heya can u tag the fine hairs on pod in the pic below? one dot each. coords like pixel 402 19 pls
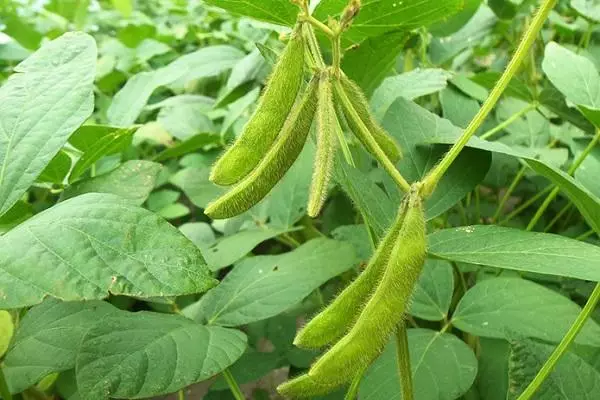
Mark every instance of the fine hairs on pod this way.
pixel 327 127
pixel 381 314
pixel 275 105
pixel 361 106
pixel 276 162
pixel 336 319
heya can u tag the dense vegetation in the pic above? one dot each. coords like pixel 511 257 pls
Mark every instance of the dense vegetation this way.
pixel 229 199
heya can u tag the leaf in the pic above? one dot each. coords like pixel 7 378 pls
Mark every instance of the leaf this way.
pixel 47 340
pixel 56 171
pixel 443 368
pixel 112 143
pixel 86 137
pixel 132 180
pixel 373 59
pixel 410 85
pixel 433 294
pixel 457 21
pixel 125 7
pixel 412 126
pixel 588 172
pixel 378 17
pixel 138 355
pixel 197 187
pixel 496 307
pixel 252 366
pixel 588 8
pixel 92 245
pixel 264 286
pixel 571 379
pixel 188 146
pixel 210 61
pixel 492 378
pixel 576 77
pixel 6 331
pixel 281 12
pixel 518 250
pixel 232 248
pixel 41 105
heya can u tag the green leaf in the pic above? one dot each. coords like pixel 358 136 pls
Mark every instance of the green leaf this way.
pixel 23 32
pixel 492 378
pixel 207 62
pixel 132 180
pixel 92 245
pixel 413 126
pixel 138 355
pixel 588 8
pixel 86 137
pixel 232 248
pixel 433 294
pixel 252 366
pixel 125 7
pixel 6 331
pixel 571 379
pixel 372 61
pixel 518 250
pixel 443 368
pixel 188 146
pixel 495 307
pixel 378 17
pixel 41 105
pixel 197 187
pixel 589 171
pixel 457 21
pixel 112 143
pixel 504 9
pixel 56 171
pixel 47 340
pixel 576 77
pixel 264 286
pixel 281 12
pixel 410 85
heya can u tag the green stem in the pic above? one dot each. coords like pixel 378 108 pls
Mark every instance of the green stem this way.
pixel 403 359
pixel 313 45
pixel 515 117
pixel 509 192
pixel 576 164
pixel 4 392
pixel 563 345
pixel 233 385
pixel 526 205
pixel 352 393
pixel 319 25
pixel 181 395
pixel 558 217
pixel 379 154
pixel 586 235
pixel 529 37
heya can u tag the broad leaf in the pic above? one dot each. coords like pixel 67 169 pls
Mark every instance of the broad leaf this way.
pixel 188 146
pixel 264 286
pixel 138 355
pixel 433 294
pixel 57 169
pixel 588 8
pixel 571 379
pixel 378 17
pixel 93 245
pixel 514 249
pixel 6 331
pixel 41 105
pixel 496 307
pixel 443 368
pixel 47 340
pixel 281 12
pixel 129 102
pixel 132 180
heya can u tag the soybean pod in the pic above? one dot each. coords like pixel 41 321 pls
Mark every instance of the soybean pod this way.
pixel 275 163
pixel 275 105
pixel 337 319
pixel 361 106
pixel 385 309
pixel 304 386
pixel 327 125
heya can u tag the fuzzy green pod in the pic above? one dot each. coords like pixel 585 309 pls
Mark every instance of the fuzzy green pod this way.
pixel 327 124
pixel 267 121
pixel 336 320
pixel 361 105
pixel 304 387
pixel 274 164
pixel 386 307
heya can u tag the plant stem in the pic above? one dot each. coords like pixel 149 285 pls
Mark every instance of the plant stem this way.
pixel 586 235
pixel 403 358
pixel 181 395
pixel 558 217
pixel 378 152
pixel 233 385
pixel 529 37
pixel 487 135
pixel 319 25
pixel 576 164
pixel 563 345
pixel 526 205
pixel 354 387
pixel 509 192
pixel 4 392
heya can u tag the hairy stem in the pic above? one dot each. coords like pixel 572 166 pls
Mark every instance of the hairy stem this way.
pixel 527 41
pixel 233 385
pixel 403 358
pixel 487 135
pixel 4 392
